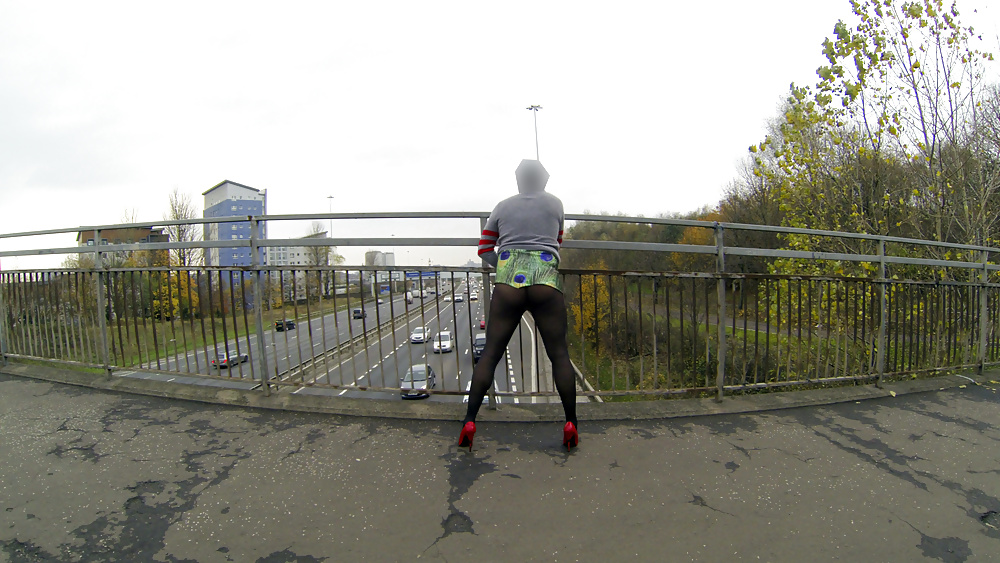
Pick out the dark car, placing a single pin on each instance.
(359, 313)
(478, 345)
(283, 325)
(417, 380)
(224, 361)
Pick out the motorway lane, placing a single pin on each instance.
(385, 366)
(284, 349)
(384, 360)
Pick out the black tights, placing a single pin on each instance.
(548, 307)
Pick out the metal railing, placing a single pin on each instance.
(633, 334)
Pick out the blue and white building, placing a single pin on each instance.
(230, 199)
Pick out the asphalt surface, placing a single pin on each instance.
(92, 475)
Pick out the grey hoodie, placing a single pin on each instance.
(530, 220)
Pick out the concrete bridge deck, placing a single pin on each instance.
(96, 475)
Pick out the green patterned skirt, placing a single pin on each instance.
(521, 268)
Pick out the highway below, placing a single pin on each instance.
(354, 357)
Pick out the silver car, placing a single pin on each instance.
(417, 380)
(443, 342)
(420, 334)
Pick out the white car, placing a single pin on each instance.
(420, 334)
(447, 297)
(473, 296)
(443, 342)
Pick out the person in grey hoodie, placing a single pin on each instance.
(521, 240)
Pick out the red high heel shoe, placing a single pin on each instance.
(468, 433)
(570, 436)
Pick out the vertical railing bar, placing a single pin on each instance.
(984, 320)
(60, 314)
(788, 335)
(75, 326)
(246, 323)
(48, 336)
(211, 316)
(173, 325)
(63, 293)
(284, 319)
(743, 310)
(16, 342)
(201, 316)
(628, 359)
(4, 319)
(236, 324)
(708, 333)
(406, 325)
(152, 319)
(350, 323)
(27, 326)
(322, 318)
(583, 330)
(656, 367)
(338, 359)
(670, 328)
(260, 293)
(364, 324)
(720, 271)
(270, 291)
(611, 325)
(225, 328)
(101, 303)
(45, 297)
(187, 349)
(32, 305)
(309, 330)
(883, 313)
(43, 324)
(84, 290)
(191, 314)
(597, 330)
(298, 323)
(122, 315)
(128, 296)
(641, 344)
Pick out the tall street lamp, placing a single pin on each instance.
(534, 112)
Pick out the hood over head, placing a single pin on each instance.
(531, 177)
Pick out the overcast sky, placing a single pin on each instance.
(105, 107)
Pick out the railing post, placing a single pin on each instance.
(102, 302)
(984, 320)
(883, 313)
(720, 270)
(3, 324)
(258, 303)
(487, 296)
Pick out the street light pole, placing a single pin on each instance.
(534, 110)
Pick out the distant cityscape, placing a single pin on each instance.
(232, 199)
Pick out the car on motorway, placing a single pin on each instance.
(447, 297)
(416, 381)
(409, 297)
(419, 335)
(473, 296)
(358, 313)
(478, 345)
(228, 361)
(459, 298)
(443, 342)
(283, 325)
(482, 323)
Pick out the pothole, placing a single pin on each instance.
(991, 519)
